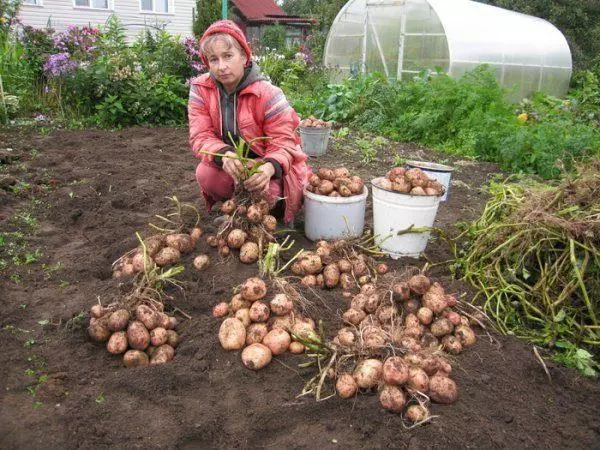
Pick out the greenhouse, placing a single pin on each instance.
(400, 38)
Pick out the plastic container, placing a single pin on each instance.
(314, 140)
(334, 217)
(438, 172)
(394, 212)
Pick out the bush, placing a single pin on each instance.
(273, 37)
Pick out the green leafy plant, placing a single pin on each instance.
(577, 358)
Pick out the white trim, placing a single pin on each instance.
(109, 6)
(39, 4)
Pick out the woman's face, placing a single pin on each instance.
(226, 63)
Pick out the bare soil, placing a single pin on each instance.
(79, 196)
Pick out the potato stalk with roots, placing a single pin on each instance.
(270, 265)
(176, 222)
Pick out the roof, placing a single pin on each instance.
(266, 11)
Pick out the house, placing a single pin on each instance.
(175, 16)
(253, 16)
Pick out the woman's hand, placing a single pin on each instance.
(232, 166)
(259, 182)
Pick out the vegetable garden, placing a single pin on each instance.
(132, 316)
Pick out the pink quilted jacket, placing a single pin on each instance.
(262, 111)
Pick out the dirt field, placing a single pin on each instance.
(78, 198)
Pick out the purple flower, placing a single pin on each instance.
(59, 64)
(40, 118)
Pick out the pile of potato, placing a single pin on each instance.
(322, 268)
(417, 319)
(161, 249)
(312, 121)
(260, 327)
(244, 235)
(336, 182)
(410, 181)
(147, 338)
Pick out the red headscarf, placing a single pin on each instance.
(230, 28)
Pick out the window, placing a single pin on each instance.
(157, 6)
(96, 4)
(33, 2)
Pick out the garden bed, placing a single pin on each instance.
(79, 196)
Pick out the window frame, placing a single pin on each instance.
(170, 8)
(110, 6)
(37, 4)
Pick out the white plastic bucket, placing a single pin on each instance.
(394, 212)
(438, 172)
(334, 217)
(314, 140)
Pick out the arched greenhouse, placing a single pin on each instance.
(400, 38)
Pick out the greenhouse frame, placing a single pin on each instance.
(401, 38)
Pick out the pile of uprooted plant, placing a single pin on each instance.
(534, 256)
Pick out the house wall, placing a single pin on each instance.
(61, 13)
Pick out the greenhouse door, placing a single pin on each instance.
(383, 27)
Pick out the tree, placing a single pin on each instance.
(206, 12)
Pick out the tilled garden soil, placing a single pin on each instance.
(79, 196)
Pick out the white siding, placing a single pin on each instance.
(61, 13)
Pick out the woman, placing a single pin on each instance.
(233, 101)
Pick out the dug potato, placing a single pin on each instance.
(255, 333)
(147, 316)
(392, 398)
(256, 356)
(368, 373)
(278, 341)
(253, 289)
(259, 312)
(138, 336)
(220, 310)
(117, 343)
(281, 305)
(395, 371)
(134, 358)
(419, 284)
(346, 386)
(232, 334)
(442, 389)
(98, 331)
(167, 255)
(172, 338)
(118, 320)
(201, 262)
(158, 336)
(162, 354)
(296, 348)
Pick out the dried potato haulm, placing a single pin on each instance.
(534, 257)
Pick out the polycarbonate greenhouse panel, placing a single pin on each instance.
(400, 38)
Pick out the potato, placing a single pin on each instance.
(368, 373)
(154, 244)
(331, 275)
(140, 264)
(354, 316)
(417, 379)
(360, 268)
(396, 172)
(356, 187)
(138, 336)
(196, 234)
(386, 313)
(243, 315)
(452, 344)
(259, 312)
(314, 180)
(97, 311)
(237, 303)
(346, 281)
(281, 305)
(346, 336)
(346, 386)
(325, 188)
(201, 262)
(172, 338)
(212, 240)
(412, 305)
(98, 331)
(147, 316)
(453, 317)
(167, 255)
(395, 371)
(255, 214)
(341, 172)
(425, 315)
(296, 348)
(372, 303)
(284, 322)
(419, 284)
(401, 185)
(309, 280)
(466, 335)
(128, 269)
(181, 242)
(441, 327)
(435, 302)
(158, 336)
(163, 320)
(374, 341)
(162, 354)
(414, 174)
(326, 174)
(358, 302)
(269, 222)
(134, 358)
(338, 182)
(303, 326)
(411, 321)
(228, 206)
(236, 238)
(417, 191)
(232, 334)
(255, 333)
(118, 320)
(278, 341)
(249, 252)
(401, 291)
(416, 413)
(224, 251)
(344, 265)
(253, 289)
(311, 263)
(117, 343)
(384, 183)
(256, 356)
(172, 323)
(392, 398)
(442, 390)
(382, 268)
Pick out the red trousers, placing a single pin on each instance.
(217, 185)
